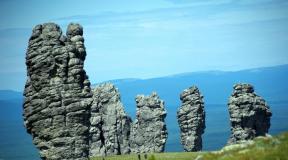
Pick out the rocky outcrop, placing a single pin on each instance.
(191, 119)
(66, 122)
(110, 126)
(149, 132)
(57, 92)
(249, 114)
(69, 121)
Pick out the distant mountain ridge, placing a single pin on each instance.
(264, 80)
(269, 82)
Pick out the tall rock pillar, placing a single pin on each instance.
(149, 132)
(57, 92)
(110, 125)
(249, 114)
(191, 119)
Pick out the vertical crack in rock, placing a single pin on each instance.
(249, 114)
(110, 126)
(149, 132)
(191, 119)
(57, 92)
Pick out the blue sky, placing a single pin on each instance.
(151, 38)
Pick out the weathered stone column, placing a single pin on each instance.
(149, 132)
(57, 92)
(249, 114)
(110, 126)
(191, 119)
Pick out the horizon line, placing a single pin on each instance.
(171, 75)
(193, 72)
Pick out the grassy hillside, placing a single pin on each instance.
(262, 148)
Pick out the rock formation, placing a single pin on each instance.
(191, 119)
(149, 132)
(69, 121)
(57, 92)
(249, 114)
(110, 126)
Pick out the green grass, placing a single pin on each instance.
(157, 156)
(275, 148)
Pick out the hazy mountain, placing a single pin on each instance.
(216, 86)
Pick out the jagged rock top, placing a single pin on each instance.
(249, 114)
(191, 119)
(150, 107)
(151, 101)
(106, 92)
(242, 88)
(74, 29)
(187, 94)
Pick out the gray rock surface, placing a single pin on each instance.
(191, 119)
(148, 131)
(249, 114)
(110, 126)
(57, 93)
